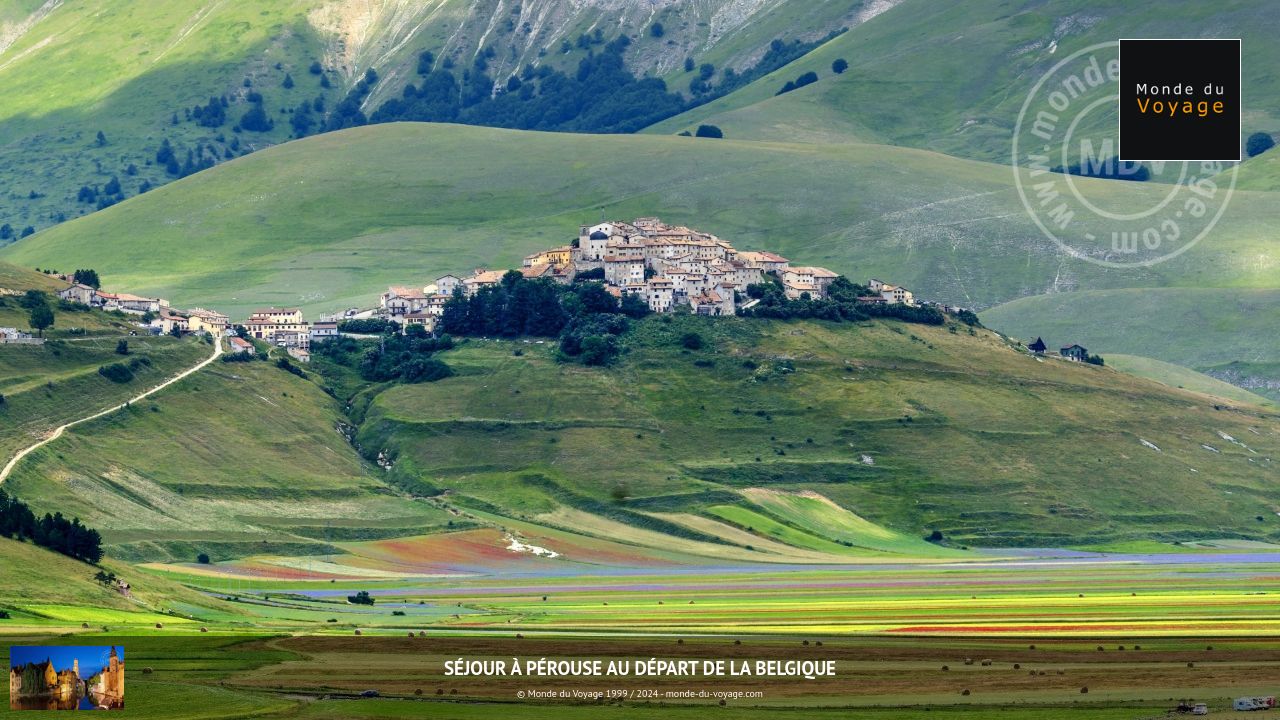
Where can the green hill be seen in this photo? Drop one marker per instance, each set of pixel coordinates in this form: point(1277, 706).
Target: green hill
point(910, 427)
point(329, 221)
point(800, 441)
point(135, 71)
point(1197, 328)
point(1178, 376)
point(46, 385)
point(236, 459)
point(952, 77)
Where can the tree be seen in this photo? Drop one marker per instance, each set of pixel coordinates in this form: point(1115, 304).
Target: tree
point(41, 318)
point(6, 232)
point(839, 66)
point(688, 64)
point(633, 305)
point(87, 277)
point(28, 231)
point(709, 131)
point(288, 82)
point(102, 139)
point(203, 558)
point(656, 30)
point(256, 120)
point(691, 341)
point(315, 68)
point(122, 347)
point(360, 598)
point(1258, 143)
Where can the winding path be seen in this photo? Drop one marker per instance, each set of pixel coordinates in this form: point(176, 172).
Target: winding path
point(57, 432)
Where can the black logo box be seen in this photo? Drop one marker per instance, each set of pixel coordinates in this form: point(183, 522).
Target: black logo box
point(1186, 64)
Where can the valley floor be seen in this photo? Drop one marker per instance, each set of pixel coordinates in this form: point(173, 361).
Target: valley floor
point(1010, 633)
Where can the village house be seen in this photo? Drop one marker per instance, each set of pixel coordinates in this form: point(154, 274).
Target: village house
point(132, 304)
point(79, 293)
point(279, 326)
point(300, 354)
point(892, 293)
point(240, 345)
point(397, 302)
point(200, 320)
point(480, 279)
point(446, 284)
point(324, 330)
point(170, 322)
point(14, 336)
point(1077, 353)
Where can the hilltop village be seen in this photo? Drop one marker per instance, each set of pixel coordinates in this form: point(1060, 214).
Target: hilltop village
point(671, 268)
point(668, 266)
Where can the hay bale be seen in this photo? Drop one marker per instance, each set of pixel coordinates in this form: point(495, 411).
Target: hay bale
point(1031, 647)
point(1209, 647)
point(986, 663)
point(968, 661)
point(945, 668)
point(1101, 649)
point(1084, 690)
point(84, 625)
point(422, 633)
point(159, 626)
point(1120, 647)
point(418, 691)
point(680, 641)
point(357, 632)
point(411, 633)
point(147, 671)
point(1191, 664)
point(1017, 666)
point(805, 643)
point(439, 691)
point(737, 642)
point(204, 629)
point(818, 643)
point(519, 636)
point(1137, 647)
point(965, 691)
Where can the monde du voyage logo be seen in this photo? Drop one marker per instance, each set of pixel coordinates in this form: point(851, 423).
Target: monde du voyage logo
point(1162, 114)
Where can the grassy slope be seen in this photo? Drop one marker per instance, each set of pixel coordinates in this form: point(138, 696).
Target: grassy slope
point(36, 583)
point(1178, 376)
point(952, 77)
point(45, 386)
point(328, 221)
point(126, 68)
point(1233, 324)
point(995, 447)
point(239, 458)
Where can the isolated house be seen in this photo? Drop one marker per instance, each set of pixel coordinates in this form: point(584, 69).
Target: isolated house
point(1038, 347)
point(1078, 353)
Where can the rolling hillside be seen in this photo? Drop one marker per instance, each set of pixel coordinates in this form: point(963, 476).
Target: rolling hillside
point(329, 221)
point(908, 426)
point(951, 77)
point(70, 69)
point(239, 458)
point(44, 386)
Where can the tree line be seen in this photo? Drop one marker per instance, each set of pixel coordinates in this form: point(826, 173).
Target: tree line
point(69, 537)
point(584, 316)
point(840, 305)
